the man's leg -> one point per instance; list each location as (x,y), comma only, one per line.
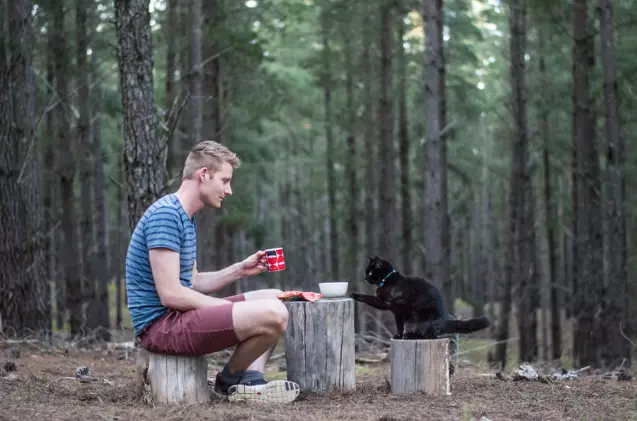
(242,377)
(252,327)
(260,294)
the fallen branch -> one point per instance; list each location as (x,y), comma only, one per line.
(20,341)
(72,378)
(365,360)
(371,338)
(120,345)
(621,331)
(489,345)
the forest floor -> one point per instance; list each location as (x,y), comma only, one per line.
(43,387)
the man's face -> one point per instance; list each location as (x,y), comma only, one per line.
(216,186)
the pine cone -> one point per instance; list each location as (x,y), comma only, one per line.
(10,366)
(83,373)
(13,353)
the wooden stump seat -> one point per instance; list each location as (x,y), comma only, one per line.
(420,366)
(319,344)
(174,379)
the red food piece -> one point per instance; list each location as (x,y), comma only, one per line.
(299,296)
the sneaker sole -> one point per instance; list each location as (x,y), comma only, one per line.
(277,391)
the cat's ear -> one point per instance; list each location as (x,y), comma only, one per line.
(371,258)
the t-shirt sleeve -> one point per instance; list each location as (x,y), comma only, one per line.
(164,229)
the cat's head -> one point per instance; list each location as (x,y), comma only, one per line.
(377,269)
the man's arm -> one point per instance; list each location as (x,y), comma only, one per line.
(164,263)
(209,282)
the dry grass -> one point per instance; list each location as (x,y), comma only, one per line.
(41,391)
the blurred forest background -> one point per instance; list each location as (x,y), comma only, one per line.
(482,144)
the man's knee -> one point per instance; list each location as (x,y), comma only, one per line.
(278,316)
(258,318)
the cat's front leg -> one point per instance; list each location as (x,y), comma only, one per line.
(400,326)
(370,300)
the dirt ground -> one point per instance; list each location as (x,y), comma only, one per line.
(43,387)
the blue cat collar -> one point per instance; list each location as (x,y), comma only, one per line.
(381,283)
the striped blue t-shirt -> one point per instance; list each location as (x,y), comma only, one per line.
(165,224)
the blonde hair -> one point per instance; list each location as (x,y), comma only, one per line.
(211,155)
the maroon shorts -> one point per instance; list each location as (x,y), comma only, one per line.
(194,332)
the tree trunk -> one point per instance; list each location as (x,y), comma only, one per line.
(588,211)
(120,243)
(387,205)
(331,175)
(436,207)
(85,164)
(207,248)
(51,196)
(144,158)
(616,301)
(66,172)
(353,213)
(24,293)
(526,268)
(403,134)
(101,263)
(196,73)
(173,165)
(370,146)
(551,217)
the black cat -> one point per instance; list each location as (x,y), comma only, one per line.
(416,304)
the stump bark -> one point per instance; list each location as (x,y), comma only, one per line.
(319,345)
(177,379)
(420,366)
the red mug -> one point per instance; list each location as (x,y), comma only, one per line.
(275,259)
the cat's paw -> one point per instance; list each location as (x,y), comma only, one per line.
(398,336)
(412,335)
(355,296)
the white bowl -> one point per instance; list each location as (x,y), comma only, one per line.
(333,289)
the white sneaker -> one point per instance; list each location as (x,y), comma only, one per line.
(276,391)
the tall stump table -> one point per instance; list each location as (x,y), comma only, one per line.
(319,344)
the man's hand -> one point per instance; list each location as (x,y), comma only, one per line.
(254,264)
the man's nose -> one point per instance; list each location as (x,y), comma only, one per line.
(229,191)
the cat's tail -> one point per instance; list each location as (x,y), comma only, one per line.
(467,326)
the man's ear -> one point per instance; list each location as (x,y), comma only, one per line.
(204,174)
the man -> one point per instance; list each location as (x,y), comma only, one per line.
(170,304)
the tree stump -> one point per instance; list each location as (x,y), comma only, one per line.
(319,344)
(420,366)
(177,379)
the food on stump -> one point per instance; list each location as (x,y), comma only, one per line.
(299,296)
